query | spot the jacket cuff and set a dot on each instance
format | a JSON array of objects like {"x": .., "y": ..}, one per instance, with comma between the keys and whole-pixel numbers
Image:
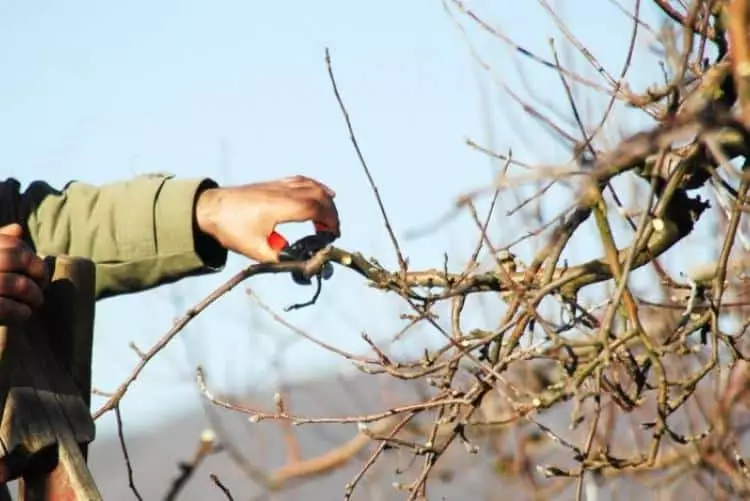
[{"x": 176, "y": 231}]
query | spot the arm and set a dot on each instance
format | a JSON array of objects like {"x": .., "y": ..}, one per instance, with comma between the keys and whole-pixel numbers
[
  {"x": 144, "y": 232},
  {"x": 140, "y": 233}
]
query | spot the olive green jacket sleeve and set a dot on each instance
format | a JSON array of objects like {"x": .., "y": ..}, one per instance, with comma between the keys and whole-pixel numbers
[{"x": 140, "y": 233}]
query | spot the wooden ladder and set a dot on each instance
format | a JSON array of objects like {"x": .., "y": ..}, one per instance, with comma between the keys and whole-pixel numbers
[{"x": 45, "y": 391}]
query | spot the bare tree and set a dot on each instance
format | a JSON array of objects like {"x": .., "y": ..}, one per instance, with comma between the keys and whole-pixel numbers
[{"x": 606, "y": 354}]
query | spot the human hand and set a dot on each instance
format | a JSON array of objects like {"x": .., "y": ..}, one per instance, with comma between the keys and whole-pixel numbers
[
  {"x": 23, "y": 275},
  {"x": 242, "y": 218}
]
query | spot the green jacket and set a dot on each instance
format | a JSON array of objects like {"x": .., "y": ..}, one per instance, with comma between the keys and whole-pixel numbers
[{"x": 140, "y": 233}]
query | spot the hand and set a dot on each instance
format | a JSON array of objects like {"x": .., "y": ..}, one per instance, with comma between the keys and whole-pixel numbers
[
  {"x": 242, "y": 218},
  {"x": 23, "y": 275}
]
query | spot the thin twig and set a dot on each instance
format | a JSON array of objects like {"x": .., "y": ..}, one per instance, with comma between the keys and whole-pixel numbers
[
  {"x": 373, "y": 186},
  {"x": 128, "y": 465},
  {"x": 215, "y": 479}
]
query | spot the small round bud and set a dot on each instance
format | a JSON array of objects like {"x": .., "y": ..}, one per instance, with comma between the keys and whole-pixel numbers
[{"x": 208, "y": 436}]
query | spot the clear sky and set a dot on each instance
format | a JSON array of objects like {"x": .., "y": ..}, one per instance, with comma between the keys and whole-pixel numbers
[{"x": 238, "y": 90}]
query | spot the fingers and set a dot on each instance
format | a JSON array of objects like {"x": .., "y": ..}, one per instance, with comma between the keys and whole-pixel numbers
[
  {"x": 19, "y": 293},
  {"x": 311, "y": 201},
  {"x": 327, "y": 215},
  {"x": 12, "y": 230},
  {"x": 21, "y": 289},
  {"x": 12, "y": 311},
  {"x": 313, "y": 208},
  {"x": 16, "y": 257},
  {"x": 306, "y": 182},
  {"x": 22, "y": 276}
]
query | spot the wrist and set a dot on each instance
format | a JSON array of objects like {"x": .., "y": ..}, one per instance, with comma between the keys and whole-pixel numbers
[
  {"x": 207, "y": 210},
  {"x": 205, "y": 223}
]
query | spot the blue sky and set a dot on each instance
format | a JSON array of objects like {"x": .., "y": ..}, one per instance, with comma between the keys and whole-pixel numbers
[{"x": 238, "y": 90}]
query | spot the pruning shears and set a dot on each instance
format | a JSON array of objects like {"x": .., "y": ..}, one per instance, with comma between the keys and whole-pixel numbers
[{"x": 302, "y": 250}]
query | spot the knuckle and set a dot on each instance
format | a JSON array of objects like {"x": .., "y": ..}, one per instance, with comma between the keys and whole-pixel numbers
[
  {"x": 25, "y": 286},
  {"x": 26, "y": 257},
  {"x": 318, "y": 192},
  {"x": 16, "y": 257},
  {"x": 14, "y": 285}
]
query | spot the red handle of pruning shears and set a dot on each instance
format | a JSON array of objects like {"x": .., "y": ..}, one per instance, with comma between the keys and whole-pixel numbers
[{"x": 278, "y": 242}]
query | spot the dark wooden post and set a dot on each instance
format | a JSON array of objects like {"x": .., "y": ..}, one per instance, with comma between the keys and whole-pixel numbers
[{"x": 45, "y": 388}]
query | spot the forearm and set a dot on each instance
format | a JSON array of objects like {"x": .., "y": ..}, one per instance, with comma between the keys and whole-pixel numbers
[{"x": 141, "y": 233}]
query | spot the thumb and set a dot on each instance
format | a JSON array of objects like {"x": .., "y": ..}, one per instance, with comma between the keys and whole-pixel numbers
[{"x": 12, "y": 230}]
